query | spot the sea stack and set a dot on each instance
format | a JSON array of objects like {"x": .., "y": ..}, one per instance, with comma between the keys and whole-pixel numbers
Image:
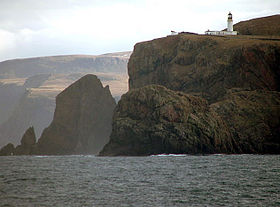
[{"x": 82, "y": 119}]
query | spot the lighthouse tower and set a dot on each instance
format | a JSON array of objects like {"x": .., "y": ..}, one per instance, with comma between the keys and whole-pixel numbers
[
  {"x": 229, "y": 28},
  {"x": 229, "y": 23}
]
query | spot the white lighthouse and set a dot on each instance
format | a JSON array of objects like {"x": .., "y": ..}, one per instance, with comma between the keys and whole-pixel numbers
[
  {"x": 229, "y": 23},
  {"x": 229, "y": 30}
]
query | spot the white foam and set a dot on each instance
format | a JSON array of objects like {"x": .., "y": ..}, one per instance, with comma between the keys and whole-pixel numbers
[{"x": 169, "y": 155}]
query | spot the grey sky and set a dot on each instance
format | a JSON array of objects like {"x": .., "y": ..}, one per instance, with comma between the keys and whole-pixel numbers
[{"x": 31, "y": 28}]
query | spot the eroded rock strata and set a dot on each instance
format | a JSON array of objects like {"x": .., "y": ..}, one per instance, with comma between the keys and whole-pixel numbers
[
  {"x": 220, "y": 95},
  {"x": 155, "y": 120},
  {"x": 206, "y": 65}
]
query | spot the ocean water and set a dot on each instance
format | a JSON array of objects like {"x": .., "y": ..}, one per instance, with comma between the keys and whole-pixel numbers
[{"x": 216, "y": 180}]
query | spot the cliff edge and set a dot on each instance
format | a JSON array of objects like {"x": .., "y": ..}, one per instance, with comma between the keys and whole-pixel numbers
[
  {"x": 200, "y": 94},
  {"x": 206, "y": 66}
]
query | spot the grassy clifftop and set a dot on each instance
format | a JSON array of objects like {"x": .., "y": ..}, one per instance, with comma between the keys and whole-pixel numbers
[{"x": 260, "y": 26}]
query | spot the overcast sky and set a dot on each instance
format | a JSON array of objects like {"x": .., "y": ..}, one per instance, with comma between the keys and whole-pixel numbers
[{"x": 31, "y": 28}]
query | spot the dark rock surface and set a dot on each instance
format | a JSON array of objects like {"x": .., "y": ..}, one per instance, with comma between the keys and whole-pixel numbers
[
  {"x": 221, "y": 96},
  {"x": 28, "y": 143},
  {"x": 82, "y": 119},
  {"x": 7, "y": 150},
  {"x": 253, "y": 119},
  {"x": 27, "y": 146},
  {"x": 155, "y": 120},
  {"x": 206, "y": 65}
]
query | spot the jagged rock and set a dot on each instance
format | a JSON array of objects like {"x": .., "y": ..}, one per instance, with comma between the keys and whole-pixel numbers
[
  {"x": 82, "y": 119},
  {"x": 7, "y": 150},
  {"x": 206, "y": 65},
  {"x": 155, "y": 120},
  {"x": 253, "y": 118},
  {"x": 29, "y": 137},
  {"x": 28, "y": 142}
]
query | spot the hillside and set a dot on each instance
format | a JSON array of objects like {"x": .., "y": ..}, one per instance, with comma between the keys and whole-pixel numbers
[
  {"x": 23, "y": 68},
  {"x": 268, "y": 26}
]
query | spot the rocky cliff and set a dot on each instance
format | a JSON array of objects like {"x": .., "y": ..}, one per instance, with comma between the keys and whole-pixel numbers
[
  {"x": 82, "y": 119},
  {"x": 217, "y": 95},
  {"x": 206, "y": 65},
  {"x": 156, "y": 120}
]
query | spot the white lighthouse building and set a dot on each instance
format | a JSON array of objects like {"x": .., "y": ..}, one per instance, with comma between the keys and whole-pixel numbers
[
  {"x": 229, "y": 23},
  {"x": 229, "y": 28}
]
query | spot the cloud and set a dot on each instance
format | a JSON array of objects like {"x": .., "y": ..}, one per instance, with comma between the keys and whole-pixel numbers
[{"x": 36, "y": 28}]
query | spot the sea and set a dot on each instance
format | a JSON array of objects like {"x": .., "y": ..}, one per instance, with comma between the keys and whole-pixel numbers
[{"x": 159, "y": 180}]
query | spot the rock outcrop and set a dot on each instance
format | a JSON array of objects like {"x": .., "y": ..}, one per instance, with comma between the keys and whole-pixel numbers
[
  {"x": 28, "y": 143},
  {"x": 82, "y": 119},
  {"x": 206, "y": 65},
  {"x": 27, "y": 146},
  {"x": 253, "y": 119},
  {"x": 155, "y": 120},
  {"x": 221, "y": 96},
  {"x": 7, "y": 150}
]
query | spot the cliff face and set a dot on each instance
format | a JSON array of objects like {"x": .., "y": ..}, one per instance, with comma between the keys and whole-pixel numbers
[
  {"x": 253, "y": 119},
  {"x": 206, "y": 66},
  {"x": 155, "y": 120},
  {"x": 82, "y": 119},
  {"x": 222, "y": 97}
]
